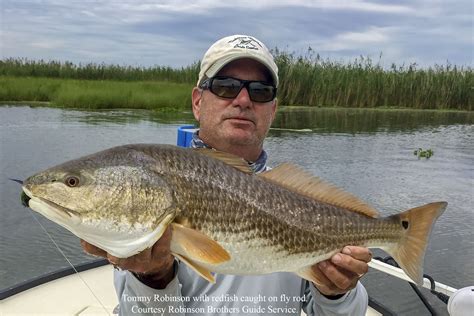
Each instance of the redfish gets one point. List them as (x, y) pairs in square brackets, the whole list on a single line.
[(224, 218)]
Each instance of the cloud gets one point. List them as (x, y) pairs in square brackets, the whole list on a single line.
[(206, 5), (358, 40), (177, 33)]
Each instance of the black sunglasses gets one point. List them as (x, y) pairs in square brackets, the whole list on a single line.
[(229, 88)]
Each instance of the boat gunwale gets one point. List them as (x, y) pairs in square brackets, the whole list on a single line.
[(50, 276)]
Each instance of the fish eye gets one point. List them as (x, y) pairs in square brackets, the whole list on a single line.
[(72, 181)]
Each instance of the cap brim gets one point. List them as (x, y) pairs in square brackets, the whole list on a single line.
[(217, 66)]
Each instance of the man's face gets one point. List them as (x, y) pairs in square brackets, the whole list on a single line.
[(239, 121)]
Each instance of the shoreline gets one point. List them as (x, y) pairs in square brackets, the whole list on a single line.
[(303, 81), (281, 108)]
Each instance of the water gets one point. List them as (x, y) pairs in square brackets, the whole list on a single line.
[(367, 152)]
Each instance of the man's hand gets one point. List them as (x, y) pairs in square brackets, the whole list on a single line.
[(153, 266), (340, 273)]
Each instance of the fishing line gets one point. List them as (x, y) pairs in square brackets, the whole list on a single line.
[(64, 255)]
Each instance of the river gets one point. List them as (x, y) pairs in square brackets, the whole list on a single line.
[(366, 152)]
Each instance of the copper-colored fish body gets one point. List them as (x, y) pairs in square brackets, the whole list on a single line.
[(282, 220)]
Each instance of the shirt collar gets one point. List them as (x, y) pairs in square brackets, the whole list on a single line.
[(257, 166)]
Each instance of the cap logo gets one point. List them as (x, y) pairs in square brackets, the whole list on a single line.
[(245, 42)]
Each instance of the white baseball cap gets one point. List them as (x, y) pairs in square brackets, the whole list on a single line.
[(235, 47)]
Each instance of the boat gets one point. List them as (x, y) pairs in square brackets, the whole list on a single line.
[(87, 289)]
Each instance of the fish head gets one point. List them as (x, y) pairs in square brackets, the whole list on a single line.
[(110, 199), (68, 193)]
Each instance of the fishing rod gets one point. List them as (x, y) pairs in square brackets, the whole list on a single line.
[(434, 287)]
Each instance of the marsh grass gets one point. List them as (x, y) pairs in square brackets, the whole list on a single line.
[(305, 80), (93, 94), (22, 67), (313, 81)]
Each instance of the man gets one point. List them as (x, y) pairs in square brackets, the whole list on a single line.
[(234, 103)]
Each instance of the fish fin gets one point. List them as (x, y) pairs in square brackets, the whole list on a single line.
[(205, 273), (309, 274), (182, 220), (297, 180), (230, 159), (416, 223), (196, 246)]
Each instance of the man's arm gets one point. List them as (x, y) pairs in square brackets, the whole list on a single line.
[(354, 302), (339, 291), (153, 266), (342, 271), (145, 278)]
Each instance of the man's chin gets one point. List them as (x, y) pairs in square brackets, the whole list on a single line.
[(241, 138), (232, 134)]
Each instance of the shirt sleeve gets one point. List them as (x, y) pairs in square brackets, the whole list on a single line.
[(354, 302), (136, 298)]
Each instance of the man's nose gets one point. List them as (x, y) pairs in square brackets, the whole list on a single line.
[(243, 98)]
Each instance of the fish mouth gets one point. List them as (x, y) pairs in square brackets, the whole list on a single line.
[(47, 208)]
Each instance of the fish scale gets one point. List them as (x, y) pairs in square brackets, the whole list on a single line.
[(223, 217), (262, 219)]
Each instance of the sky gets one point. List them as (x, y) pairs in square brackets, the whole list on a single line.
[(177, 33)]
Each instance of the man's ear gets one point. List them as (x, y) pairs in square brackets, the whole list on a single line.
[(196, 100)]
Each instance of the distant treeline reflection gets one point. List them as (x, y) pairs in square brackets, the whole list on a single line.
[(305, 80), (354, 121)]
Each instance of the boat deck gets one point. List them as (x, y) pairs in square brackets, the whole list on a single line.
[(70, 295)]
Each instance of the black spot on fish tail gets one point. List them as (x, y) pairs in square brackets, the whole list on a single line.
[(405, 224)]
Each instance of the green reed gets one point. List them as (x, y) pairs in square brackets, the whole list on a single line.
[(93, 94), (305, 80), (311, 80), (92, 71)]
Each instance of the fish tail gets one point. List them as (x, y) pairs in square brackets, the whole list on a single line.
[(416, 224)]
